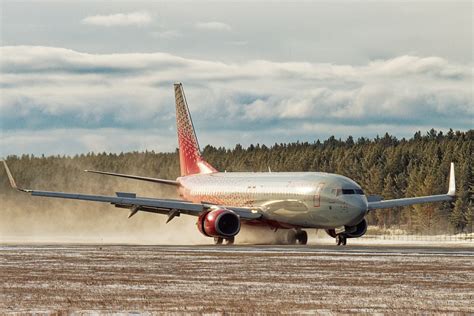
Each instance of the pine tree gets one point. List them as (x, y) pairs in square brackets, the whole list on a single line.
[(388, 166)]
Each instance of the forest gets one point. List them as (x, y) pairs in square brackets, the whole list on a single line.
[(387, 166)]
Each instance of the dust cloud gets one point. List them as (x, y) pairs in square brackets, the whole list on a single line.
[(72, 223), (28, 219), (261, 235)]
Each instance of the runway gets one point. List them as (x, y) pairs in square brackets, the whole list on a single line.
[(237, 279)]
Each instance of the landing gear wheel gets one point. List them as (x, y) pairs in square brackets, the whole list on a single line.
[(341, 240), (302, 237), (291, 237), (229, 241), (218, 240)]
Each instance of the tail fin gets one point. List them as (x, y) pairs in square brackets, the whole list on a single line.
[(190, 159)]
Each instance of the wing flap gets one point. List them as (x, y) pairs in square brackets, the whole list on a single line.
[(162, 206), (182, 206), (131, 201)]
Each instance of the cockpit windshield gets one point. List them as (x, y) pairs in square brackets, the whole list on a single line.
[(349, 191)]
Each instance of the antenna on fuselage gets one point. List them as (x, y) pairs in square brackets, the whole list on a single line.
[(269, 169)]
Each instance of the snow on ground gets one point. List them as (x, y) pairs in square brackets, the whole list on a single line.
[(315, 237), (239, 279)]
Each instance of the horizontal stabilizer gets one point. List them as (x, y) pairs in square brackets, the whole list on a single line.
[(155, 180)]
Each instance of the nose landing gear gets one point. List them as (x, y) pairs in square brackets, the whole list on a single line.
[(341, 240), (354, 231)]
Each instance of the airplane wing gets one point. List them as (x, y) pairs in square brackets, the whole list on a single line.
[(162, 181), (129, 200), (372, 205)]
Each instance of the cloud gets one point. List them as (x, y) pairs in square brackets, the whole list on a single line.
[(138, 18), (168, 34), (213, 26), (94, 99), (79, 140), (237, 43)]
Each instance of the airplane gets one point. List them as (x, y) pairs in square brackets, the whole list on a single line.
[(223, 201)]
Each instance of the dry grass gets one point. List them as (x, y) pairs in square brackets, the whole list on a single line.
[(203, 280)]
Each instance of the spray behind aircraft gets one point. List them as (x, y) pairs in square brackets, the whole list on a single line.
[(223, 201)]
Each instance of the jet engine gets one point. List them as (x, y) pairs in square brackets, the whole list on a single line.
[(357, 230), (219, 223)]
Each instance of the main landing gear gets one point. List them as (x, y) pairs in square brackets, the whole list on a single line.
[(220, 240), (301, 237), (294, 237)]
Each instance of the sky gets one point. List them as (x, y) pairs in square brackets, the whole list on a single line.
[(82, 76)]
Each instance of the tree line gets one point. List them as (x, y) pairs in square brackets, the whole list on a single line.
[(386, 166)]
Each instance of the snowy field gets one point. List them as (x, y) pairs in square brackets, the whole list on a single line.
[(322, 279)]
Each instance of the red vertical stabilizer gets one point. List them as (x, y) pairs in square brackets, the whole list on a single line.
[(190, 159)]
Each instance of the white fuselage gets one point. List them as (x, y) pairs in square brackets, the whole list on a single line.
[(288, 199)]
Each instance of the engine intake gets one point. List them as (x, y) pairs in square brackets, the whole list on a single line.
[(356, 231), (219, 223)]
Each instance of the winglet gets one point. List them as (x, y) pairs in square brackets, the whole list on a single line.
[(10, 177), (452, 183)]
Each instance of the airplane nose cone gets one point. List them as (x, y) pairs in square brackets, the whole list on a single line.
[(359, 207), (362, 204), (359, 202)]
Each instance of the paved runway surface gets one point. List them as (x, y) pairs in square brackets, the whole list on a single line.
[(241, 279)]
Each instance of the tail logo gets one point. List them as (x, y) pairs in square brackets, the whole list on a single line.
[(191, 161)]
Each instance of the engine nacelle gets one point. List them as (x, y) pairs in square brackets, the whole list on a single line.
[(219, 223), (356, 231), (331, 232)]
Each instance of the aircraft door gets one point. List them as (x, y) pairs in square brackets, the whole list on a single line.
[(317, 195)]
